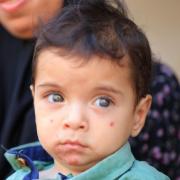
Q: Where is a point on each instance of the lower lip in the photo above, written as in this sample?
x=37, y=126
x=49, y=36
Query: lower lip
x=12, y=6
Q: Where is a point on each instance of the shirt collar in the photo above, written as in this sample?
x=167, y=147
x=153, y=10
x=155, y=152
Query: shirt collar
x=112, y=167
x=36, y=158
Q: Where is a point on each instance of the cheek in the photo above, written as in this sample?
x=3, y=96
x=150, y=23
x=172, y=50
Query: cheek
x=47, y=125
x=45, y=130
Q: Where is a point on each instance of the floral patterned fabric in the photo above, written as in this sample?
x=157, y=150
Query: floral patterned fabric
x=159, y=141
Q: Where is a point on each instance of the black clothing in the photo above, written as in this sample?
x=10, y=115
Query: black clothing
x=17, y=124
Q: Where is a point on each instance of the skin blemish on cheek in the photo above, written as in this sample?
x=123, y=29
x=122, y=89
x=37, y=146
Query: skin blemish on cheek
x=51, y=120
x=111, y=124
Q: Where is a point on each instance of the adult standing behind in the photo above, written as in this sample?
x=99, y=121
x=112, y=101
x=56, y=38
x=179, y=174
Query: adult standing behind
x=18, y=21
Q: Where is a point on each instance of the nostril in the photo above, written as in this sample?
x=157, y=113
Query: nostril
x=66, y=125
x=81, y=127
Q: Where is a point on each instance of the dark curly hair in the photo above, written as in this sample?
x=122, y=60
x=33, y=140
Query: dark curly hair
x=99, y=28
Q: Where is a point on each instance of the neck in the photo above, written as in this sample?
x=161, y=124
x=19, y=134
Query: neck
x=49, y=173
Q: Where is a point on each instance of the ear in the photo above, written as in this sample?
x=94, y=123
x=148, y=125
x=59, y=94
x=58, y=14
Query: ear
x=32, y=89
x=140, y=114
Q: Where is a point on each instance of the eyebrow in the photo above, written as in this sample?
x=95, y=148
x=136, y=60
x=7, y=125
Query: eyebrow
x=45, y=85
x=98, y=88
x=108, y=89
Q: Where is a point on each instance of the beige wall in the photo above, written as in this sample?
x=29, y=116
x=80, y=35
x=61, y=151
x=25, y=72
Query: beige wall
x=160, y=19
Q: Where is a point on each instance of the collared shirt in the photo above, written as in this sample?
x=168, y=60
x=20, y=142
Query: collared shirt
x=29, y=159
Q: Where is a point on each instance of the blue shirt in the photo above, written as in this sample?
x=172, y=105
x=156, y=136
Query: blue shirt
x=27, y=160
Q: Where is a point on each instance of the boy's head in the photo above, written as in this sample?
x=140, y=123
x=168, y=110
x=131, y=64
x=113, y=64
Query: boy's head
x=91, y=74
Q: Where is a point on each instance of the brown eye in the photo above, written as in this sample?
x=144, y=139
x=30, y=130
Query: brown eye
x=55, y=98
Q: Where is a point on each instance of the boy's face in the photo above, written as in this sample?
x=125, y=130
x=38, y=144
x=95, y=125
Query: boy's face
x=84, y=112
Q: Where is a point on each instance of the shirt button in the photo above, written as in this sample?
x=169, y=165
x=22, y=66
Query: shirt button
x=21, y=162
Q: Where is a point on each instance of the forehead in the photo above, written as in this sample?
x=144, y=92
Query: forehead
x=50, y=58
x=75, y=73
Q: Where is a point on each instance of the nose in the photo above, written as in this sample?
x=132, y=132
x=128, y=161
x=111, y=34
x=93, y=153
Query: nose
x=76, y=118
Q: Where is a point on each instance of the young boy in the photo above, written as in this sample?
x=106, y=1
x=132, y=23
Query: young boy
x=91, y=74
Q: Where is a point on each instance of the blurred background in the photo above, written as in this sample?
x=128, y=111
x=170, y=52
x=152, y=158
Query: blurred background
x=160, y=20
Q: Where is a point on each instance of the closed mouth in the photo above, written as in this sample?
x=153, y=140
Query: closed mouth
x=73, y=143
x=11, y=6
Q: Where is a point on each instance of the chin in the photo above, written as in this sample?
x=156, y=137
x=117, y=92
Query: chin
x=20, y=31
x=73, y=162
x=22, y=34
